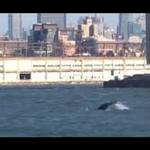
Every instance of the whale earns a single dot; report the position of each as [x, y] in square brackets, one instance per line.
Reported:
[116, 105]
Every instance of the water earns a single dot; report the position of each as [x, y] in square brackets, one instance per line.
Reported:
[71, 111]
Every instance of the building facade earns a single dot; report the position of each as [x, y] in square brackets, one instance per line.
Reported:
[65, 46]
[91, 27]
[69, 69]
[53, 18]
[135, 29]
[42, 39]
[124, 19]
[15, 26]
[142, 22]
[12, 47]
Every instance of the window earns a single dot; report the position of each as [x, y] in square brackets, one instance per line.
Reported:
[38, 65]
[66, 65]
[98, 65]
[25, 76]
[139, 64]
[108, 64]
[118, 64]
[88, 65]
[130, 64]
[53, 65]
[112, 72]
[77, 65]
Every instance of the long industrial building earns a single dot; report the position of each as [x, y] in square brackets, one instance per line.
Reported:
[69, 69]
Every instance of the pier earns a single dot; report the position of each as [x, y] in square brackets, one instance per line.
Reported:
[69, 69]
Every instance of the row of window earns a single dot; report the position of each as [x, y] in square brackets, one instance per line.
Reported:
[87, 65]
[135, 65]
[90, 77]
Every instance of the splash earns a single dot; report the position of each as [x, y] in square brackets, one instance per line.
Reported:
[87, 109]
[121, 106]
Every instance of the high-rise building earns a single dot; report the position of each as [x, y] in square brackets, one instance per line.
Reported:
[42, 38]
[91, 26]
[53, 18]
[15, 26]
[24, 34]
[135, 29]
[98, 20]
[141, 21]
[124, 19]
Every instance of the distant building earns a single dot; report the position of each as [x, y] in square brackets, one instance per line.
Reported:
[15, 26]
[142, 22]
[72, 32]
[49, 37]
[85, 27]
[89, 46]
[109, 32]
[42, 38]
[65, 46]
[135, 29]
[124, 19]
[12, 47]
[24, 34]
[53, 18]
[135, 39]
[91, 27]
[98, 22]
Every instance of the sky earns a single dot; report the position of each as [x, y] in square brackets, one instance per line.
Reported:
[30, 18]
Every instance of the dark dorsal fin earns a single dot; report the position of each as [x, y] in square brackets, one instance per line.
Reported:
[106, 105]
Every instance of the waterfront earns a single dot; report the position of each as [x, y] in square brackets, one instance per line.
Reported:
[69, 69]
[71, 111]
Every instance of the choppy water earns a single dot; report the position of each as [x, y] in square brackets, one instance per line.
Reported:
[71, 111]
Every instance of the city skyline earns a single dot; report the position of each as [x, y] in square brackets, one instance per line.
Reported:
[112, 19]
[72, 18]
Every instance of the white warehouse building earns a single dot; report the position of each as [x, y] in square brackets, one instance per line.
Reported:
[69, 69]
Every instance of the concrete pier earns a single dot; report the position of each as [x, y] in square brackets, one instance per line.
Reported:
[69, 69]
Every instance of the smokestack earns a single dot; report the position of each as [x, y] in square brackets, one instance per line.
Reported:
[148, 38]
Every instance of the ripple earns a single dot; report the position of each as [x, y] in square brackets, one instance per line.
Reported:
[71, 111]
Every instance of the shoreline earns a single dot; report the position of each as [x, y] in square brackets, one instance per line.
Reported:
[49, 83]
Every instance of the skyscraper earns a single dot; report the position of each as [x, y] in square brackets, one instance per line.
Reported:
[56, 18]
[124, 19]
[15, 26]
[141, 21]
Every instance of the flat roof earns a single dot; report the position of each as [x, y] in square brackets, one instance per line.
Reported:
[70, 58]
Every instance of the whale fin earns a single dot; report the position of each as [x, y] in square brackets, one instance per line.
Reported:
[113, 105]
